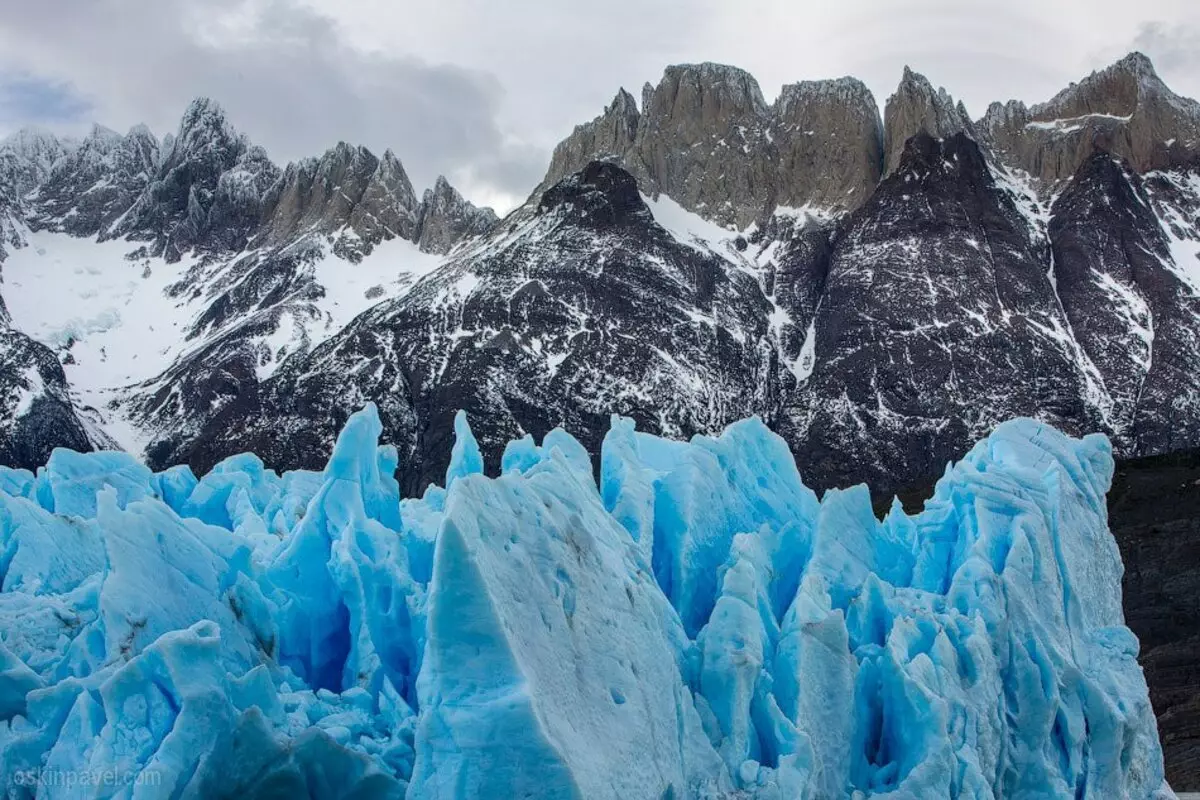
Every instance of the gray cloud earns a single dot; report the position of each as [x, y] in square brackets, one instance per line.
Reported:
[284, 74]
[1174, 48]
[24, 97]
[481, 91]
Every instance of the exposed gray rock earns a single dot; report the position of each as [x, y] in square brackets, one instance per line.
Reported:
[36, 412]
[609, 137]
[388, 206]
[1124, 109]
[706, 138]
[320, 196]
[173, 212]
[829, 144]
[92, 187]
[701, 141]
[446, 218]
[916, 107]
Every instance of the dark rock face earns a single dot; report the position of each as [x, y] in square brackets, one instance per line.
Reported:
[36, 413]
[90, 189]
[1104, 238]
[588, 308]
[1130, 309]
[936, 293]
[1154, 513]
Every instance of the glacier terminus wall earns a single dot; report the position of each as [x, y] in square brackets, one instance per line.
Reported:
[682, 620]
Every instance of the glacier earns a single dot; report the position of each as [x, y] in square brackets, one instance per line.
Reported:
[686, 620]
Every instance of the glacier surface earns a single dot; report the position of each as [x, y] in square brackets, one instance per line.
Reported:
[688, 621]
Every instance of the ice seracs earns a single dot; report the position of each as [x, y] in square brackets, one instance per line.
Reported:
[695, 625]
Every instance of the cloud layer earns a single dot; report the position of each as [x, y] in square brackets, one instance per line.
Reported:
[481, 91]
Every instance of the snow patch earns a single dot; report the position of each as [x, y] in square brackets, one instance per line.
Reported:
[1073, 124]
[394, 265]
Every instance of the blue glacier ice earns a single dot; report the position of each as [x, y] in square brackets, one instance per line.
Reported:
[686, 620]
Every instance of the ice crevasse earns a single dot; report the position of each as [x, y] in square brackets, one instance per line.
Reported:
[685, 620]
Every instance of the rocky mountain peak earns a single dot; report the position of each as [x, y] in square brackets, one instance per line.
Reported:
[600, 195]
[623, 104]
[102, 138]
[848, 90]
[1000, 115]
[1114, 90]
[236, 208]
[388, 206]
[35, 143]
[29, 155]
[391, 177]
[705, 92]
[1124, 109]
[94, 185]
[609, 136]
[917, 107]
[176, 210]
[706, 137]
[441, 191]
[318, 195]
[204, 126]
[360, 200]
[1137, 63]
[446, 218]
[829, 140]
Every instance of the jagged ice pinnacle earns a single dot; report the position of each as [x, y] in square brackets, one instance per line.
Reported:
[695, 624]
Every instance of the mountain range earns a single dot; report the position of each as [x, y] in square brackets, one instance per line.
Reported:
[882, 289]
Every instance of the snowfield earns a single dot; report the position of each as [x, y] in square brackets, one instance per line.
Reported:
[111, 316]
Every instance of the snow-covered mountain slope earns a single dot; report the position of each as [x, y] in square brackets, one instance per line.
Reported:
[937, 297]
[167, 279]
[693, 625]
[584, 307]
[218, 301]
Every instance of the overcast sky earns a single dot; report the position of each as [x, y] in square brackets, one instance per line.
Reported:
[481, 91]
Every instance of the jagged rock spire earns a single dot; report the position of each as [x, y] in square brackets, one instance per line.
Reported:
[706, 137]
[916, 107]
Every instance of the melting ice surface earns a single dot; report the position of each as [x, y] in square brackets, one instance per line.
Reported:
[697, 625]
